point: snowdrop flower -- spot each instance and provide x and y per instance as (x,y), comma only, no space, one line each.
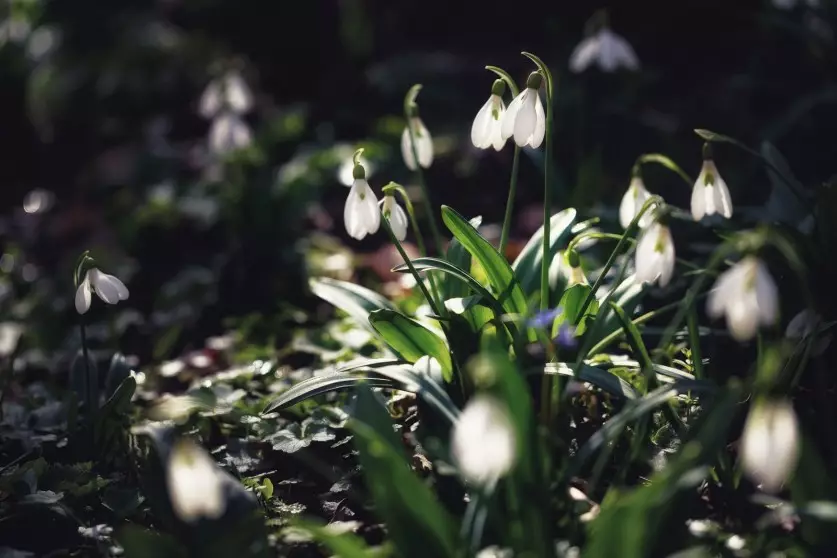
(770,443)
(396,216)
(107,287)
(228,133)
(195,483)
(429,367)
(484,445)
(804,324)
(710,194)
(361,214)
(228,92)
(424,143)
(655,255)
(747,295)
(525,118)
(577,276)
(632,202)
(487,128)
(607,49)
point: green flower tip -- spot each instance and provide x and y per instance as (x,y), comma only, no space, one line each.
(357,155)
(572,258)
(498,88)
(636,171)
(83,264)
(707,151)
(534,81)
(390,189)
(410,106)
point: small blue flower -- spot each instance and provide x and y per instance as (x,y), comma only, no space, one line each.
(566,337)
(544,318)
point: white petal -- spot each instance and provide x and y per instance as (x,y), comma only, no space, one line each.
(430,367)
(83,295)
(699,196)
(104,287)
(632,202)
(623,53)
(742,316)
(723,201)
(608,57)
(647,258)
(482,126)
(210,101)
(399,223)
(483,442)
(228,133)
(540,123)
(237,94)
(767,295)
(424,144)
(527,118)
(121,289)
(668,258)
(369,211)
(194,483)
(507,128)
(407,151)
(770,444)
(584,53)
(353,215)
(726,288)
(497,139)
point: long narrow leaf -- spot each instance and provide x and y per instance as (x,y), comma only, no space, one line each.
(411,339)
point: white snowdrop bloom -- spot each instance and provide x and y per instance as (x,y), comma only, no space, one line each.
(486,130)
(396,216)
(361,214)
(710,194)
(632,202)
(525,119)
(228,92)
(770,443)
(483,444)
(107,287)
(194,482)
(747,296)
(605,48)
(655,255)
(804,324)
(736,542)
(228,133)
(430,367)
(424,144)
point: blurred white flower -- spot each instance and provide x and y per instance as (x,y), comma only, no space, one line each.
(107,287)
(396,216)
(747,295)
(424,144)
(227,93)
(344,172)
(710,194)
(804,324)
(770,443)
(194,482)
(483,445)
(495,552)
(525,118)
(228,133)
(486,131)
(430,367)
(632,202)
(607,49)
(361,214)
(655,255)
(10,333)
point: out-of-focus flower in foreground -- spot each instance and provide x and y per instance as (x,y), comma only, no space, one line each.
(606,49)
(195,483)
(747,296)
(484,445)
(770,443)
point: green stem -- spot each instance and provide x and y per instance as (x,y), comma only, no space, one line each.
(694,341)
(547,206)
(434,228)
(504,236)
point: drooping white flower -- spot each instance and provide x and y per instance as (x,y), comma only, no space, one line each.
(770,443)
(655,255)
(228,133)
(396,216)
(632,202)
(605,48)
(107,287)
(747,295)
(361,214)
(195,483)
(805,324)
(229,92)
(525,118)
(486,130)
(424,144)
(710,194)
(484,446)
(430,367)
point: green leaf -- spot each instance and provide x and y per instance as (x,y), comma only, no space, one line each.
(411,339)
(637,345)
(353,299)
(813,481)
(570,305)
(459,257)
(416,523)
(86,387)
(312,387)
(343,545)
(782,204)
(668,163)
(500,275)
(527,265)
(144,543)
(604,380)
(118,371)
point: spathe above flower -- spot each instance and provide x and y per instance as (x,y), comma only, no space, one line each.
(483,444)
(525,119)
(606,49)
(486,130)
(747,296)
(655,255)
(770,444)
(710,194)
(107,287)
(361,214)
